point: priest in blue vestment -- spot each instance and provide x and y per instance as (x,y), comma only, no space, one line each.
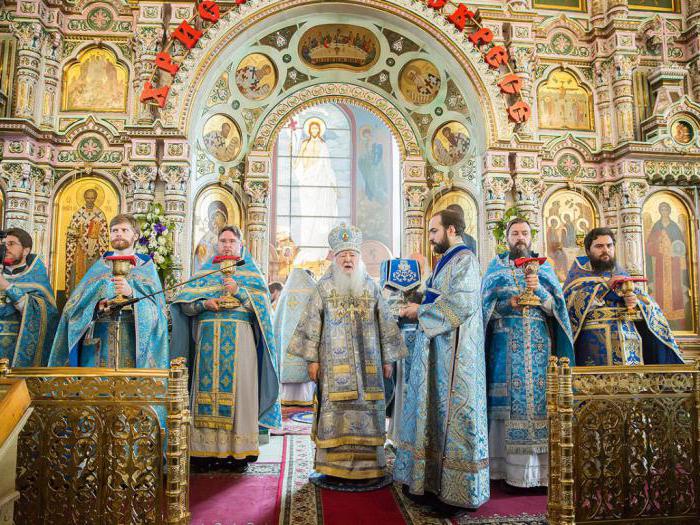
(609,327)
(222,325)
(349,340)
(519,341)
(297,387)
(442,451)
(93,332)
(28,314)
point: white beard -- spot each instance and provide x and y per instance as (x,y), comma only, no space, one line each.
(352,284)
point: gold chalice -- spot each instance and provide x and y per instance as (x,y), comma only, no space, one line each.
(228,265)
(121,267)
(626,286)
(529,265)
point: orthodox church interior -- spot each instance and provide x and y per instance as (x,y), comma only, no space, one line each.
(289,117)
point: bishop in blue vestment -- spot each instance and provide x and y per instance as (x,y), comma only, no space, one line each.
(223,327)
(604,332)
(90,334)
(28,314)
(442,450)
(519,341)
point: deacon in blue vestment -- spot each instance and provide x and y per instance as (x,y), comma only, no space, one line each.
(222,326)
(519,341)
(349,340)
(90,333)
(297,387)
(28,314)
(442,451)
(604,332)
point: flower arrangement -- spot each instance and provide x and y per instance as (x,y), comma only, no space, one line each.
(157,241)
(499,232)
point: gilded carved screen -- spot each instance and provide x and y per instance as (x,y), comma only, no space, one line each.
(567,217)
(668,246)
(215,208)
(96,81)
(82,211)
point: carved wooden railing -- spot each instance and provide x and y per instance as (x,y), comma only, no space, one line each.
(94,449)
(624,444)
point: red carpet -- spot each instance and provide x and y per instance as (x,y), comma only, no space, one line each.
(361,508)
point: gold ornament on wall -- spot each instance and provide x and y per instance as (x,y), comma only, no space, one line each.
(256,76)
(95,82)
(419,81)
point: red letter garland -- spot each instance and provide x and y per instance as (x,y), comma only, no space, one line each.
(495,57)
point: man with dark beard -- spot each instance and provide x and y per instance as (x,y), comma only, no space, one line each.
(442,445)
(519,341)
(350,340)
(604,331)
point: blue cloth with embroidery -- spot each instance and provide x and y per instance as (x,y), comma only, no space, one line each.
(27,334)
(601,336)
(251,286)
(519,342)
(147,348)
(400,274)
(442,445)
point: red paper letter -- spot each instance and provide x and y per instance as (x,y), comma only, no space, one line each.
(483,36)
(511,84)
(187,34)
(496,56)
(209,11)
(165,62)
(459,17)
(151,93)
(239,2)
(519,112)
(437,4)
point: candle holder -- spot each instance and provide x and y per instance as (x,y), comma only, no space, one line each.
(626,285)
(121,267)
(228,265)
(529,265)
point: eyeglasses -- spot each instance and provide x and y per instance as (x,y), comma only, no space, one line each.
(12,243)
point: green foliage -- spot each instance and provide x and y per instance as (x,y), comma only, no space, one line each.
(499,232)
(157,241)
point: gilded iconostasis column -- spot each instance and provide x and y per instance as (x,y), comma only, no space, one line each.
(623,65)
(632,193)
(601,74)
(521,48)
(29,42)
(18,181)
(175,172)
(415,190)
(257,188)
(146,43)
(528,186)
(140,176)
(497,185)
(44,180)
(52,53)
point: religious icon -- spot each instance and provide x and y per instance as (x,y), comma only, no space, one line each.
(450,143)
(83,209)
(566,5)
(682,132)
(419,81)
(460,201)
(256,76)
(222,138)
(568,216)
(669,6)
(373,253)
(668,250)
(96,82)
(339,46)
(563,103)
(215,209)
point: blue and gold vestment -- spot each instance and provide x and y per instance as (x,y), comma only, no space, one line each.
(210,341)
(28,316)
(83,339)
(519,342)
(443,438)
(352,337)
(602,335)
